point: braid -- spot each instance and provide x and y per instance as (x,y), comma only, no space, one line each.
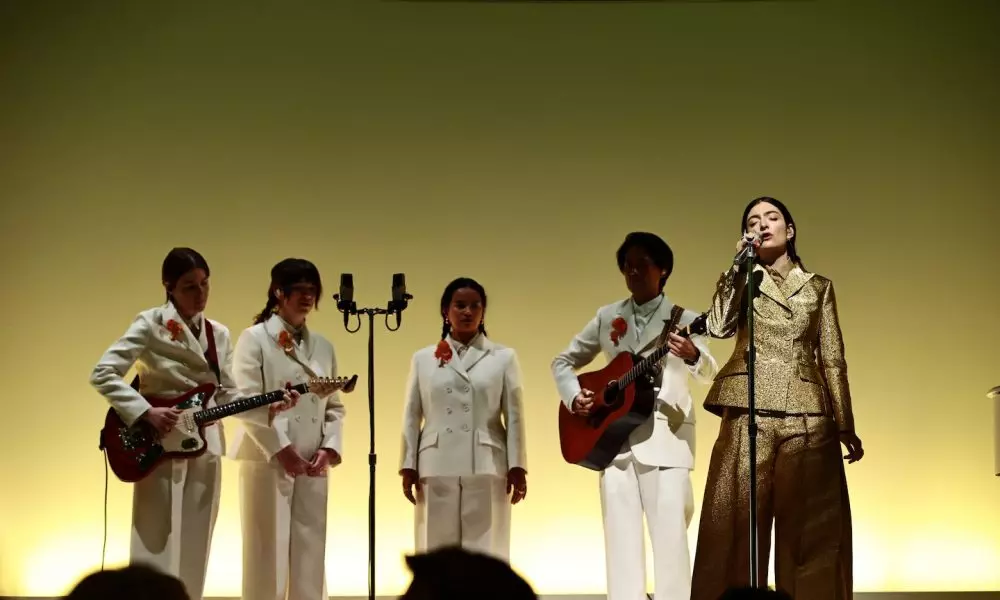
(268,309)
(445,329)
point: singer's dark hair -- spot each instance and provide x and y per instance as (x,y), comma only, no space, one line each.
(449,293)
(284,275)
(789,222)
(177,263)
(654,246)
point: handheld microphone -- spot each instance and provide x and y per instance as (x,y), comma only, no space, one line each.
(345,299)
(751,240)
(400,299)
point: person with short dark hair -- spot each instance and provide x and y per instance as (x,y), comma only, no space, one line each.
(455,573)
(135,582)
(651,473)
(284,484)
(174,348)
(463,449)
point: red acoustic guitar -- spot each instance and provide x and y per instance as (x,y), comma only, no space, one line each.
(623,399)
(133,452)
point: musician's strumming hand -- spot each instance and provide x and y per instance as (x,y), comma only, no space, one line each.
(162,419)
(410,480)
(517,484)
(322,461)
(583,402)
(683,347)
(292,462)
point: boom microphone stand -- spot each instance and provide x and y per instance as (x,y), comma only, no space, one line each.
(396,306)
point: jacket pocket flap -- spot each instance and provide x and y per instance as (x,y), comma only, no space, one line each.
(427,440)
(488,439)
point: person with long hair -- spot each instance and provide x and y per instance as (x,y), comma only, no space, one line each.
(651,474)
(803,415)
(463,453)
(284,467)
(174,348)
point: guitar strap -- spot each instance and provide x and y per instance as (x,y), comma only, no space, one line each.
(210,355)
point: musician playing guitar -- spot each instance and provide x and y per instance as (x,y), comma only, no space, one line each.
(651,472)
(174,348)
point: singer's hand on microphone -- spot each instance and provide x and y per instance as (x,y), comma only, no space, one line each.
(747,237)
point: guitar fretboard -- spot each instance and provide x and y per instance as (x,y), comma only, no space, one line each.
(244,404)
(696,326)
(643,366)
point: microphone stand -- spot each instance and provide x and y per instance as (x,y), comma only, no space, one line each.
(748,261)
(351,309)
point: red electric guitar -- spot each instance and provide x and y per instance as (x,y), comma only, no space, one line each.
(133,452)
(623,399)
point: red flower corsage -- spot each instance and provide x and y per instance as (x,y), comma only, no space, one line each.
(285,341)
(618,328)
(176,330)
(442,352)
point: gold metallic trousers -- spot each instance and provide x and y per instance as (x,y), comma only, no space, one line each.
(800,487)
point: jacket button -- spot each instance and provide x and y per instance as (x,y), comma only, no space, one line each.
(314,419)
(297,419)
(448,430)
(448,410)
(466,408)
(465,427)
(447,390)
(465,389)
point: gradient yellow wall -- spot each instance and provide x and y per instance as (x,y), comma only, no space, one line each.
(515,143)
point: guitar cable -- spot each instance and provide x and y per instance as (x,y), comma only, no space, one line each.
(104,545)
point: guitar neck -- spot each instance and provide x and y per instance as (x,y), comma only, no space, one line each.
(644,365)
(651,361)
(244,404)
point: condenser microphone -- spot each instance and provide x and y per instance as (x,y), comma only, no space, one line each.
(345,299)
(400,299)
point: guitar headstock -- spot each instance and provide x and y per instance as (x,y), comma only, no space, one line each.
(324,386)
(697,327)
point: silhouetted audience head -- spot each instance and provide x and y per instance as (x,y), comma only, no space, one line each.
(135,582)
(749,593)
(457,573)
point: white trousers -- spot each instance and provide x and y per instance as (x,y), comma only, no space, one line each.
(173,516)
(283,520)
(629,489)
(472,512)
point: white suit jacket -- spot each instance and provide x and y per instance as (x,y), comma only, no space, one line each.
(464,417)
(666,439)
(261,365)
(166,367)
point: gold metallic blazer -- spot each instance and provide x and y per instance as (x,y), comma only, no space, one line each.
(800,366)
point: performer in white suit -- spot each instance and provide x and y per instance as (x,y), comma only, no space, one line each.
(283,467)
(651,474)
(174,507)
(463,432)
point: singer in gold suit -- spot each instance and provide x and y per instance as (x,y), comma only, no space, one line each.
(804,413)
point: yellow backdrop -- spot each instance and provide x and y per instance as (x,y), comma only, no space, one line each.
(514,143)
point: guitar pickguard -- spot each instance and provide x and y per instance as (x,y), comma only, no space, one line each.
(185,438)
